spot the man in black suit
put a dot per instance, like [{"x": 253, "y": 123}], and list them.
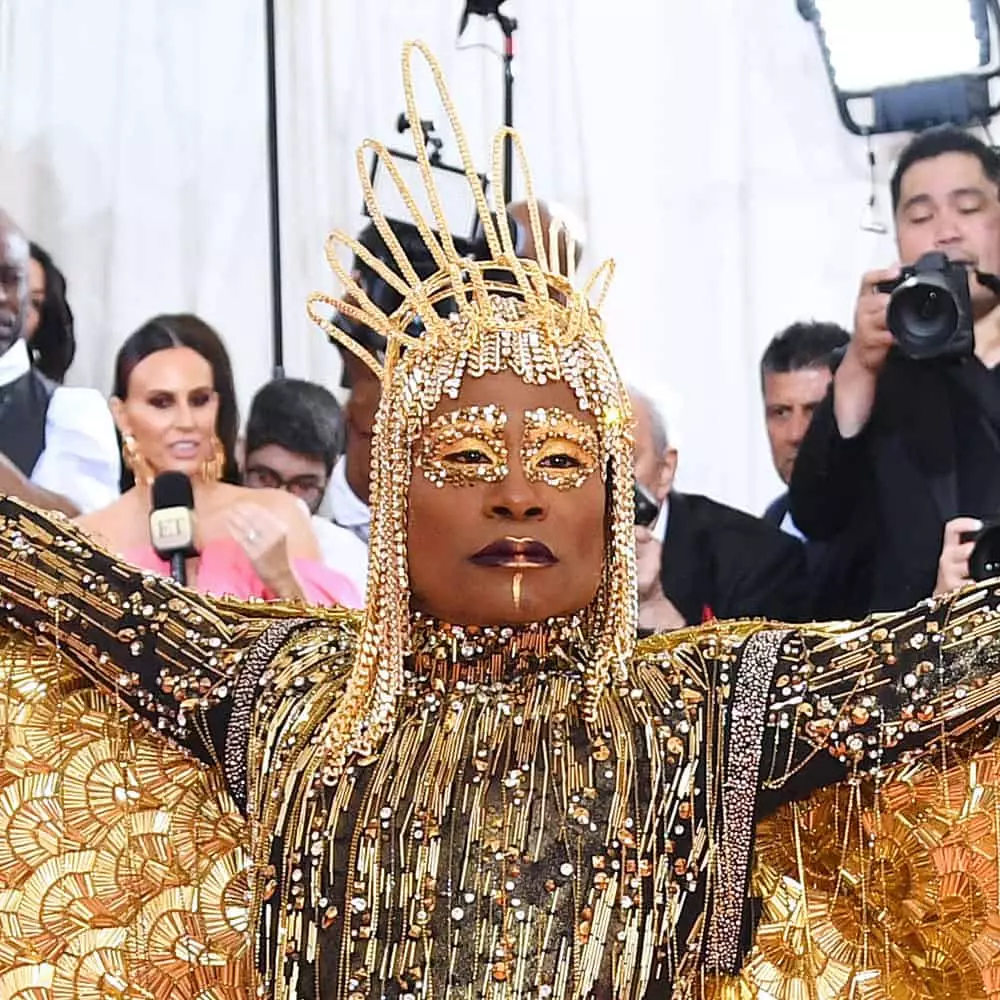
[
  {"x": 920, "y": 438},
  {"x": 796, "y": 370},
  {"x": 702, "y": 559}
]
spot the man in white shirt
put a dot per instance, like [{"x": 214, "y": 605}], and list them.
[
  {"x": 293, "y": 437},
  {"x": 58, "y": 448},
  {"x": 345, "y": 507},
  {"x": 346, "y": 500}
]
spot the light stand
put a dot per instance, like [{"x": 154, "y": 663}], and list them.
[
  {"x": 508, "y": 25},
  {"x": 274, "y": 208}
]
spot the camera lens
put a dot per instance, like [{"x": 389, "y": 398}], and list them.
[
  {"x": 984, "y": 563},
  {"x": 925, "y": 315},
  {"x": 930, "y": 308},
  {"x": 930, "y": 312}
]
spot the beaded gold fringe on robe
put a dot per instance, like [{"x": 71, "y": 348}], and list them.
[
  {"x": 123, "y": 863},
  {"x": 125, "y": 875},
  {"x": 882, "y": 889}
]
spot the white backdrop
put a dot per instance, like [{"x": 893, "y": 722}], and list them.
[{"x": 699, "y": 142}]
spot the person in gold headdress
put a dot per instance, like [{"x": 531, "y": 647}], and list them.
[{"x": 480, "y": 787}]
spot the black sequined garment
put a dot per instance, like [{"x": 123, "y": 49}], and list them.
[{"x": 495, "y": 844}]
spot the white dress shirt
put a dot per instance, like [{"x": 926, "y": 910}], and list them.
[
  {"x": 659, "y": 526},
  {"x": 344, "y": 506},
  {"x": 789, "y": 527},
  {"x": 80, "y": 460},
  {"x": 342, "y": 551}
]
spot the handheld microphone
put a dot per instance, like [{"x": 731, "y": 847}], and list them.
[{"x": 171, "y": 522}]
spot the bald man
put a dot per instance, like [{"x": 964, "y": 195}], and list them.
[
  {"x": 701, "y": 559},
  {"x": 568, "y": 230},
  {"x": 58, "y": 448}
]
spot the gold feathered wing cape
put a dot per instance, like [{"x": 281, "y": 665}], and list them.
[{"x": 166, "y": 830}]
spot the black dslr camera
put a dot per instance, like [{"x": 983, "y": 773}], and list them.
[{"x": 930, "y": 311}]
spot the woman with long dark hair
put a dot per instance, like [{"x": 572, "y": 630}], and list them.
[
  {"x": 185, "y": 330},
  {"x": 49, "y": 323},
  {"x": 174, "y": 404}
]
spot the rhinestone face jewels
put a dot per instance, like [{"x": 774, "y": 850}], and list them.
[
  {"x": 503, "y": 313},
  {"x": 463, "y": 447},
  {"x": 468, "y": 446},
  {"x": 559, "y": 449}
]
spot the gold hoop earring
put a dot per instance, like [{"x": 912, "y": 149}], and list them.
[
  {"x": 135, "y": 461},
  {"x": 213, "y": 468}
]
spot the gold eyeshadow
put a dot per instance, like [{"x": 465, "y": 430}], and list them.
[
  {"x": 464, "y": 447},
  {"x": 558, "y": 449}
]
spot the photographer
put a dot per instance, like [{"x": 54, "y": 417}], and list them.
[{"x": 917, "y": 430}]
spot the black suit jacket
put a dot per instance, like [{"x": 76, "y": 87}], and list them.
[
  {"x": 838, "y": 572},
  {"x": 900, "y": 472},
  {"x": 720, "y": 559}
]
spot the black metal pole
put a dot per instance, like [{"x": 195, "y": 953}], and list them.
[
  {"x": 508, "y": 25},
  {"x": 277, "y": 339}
]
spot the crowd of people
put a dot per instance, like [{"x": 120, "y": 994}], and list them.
[
  {"x": 301, "y": 534},
  {"x": 887, "y": 462},
  {"x": 173, "y": 408},
  {"x": 890, "y": 462},
  {"x": 485, "y": 783}
]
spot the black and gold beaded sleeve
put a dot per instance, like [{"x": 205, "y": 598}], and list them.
[
  {"x": 859, "y": 697},
  {"x": 801, "y": 708},
  {"x": 187, "y": 663}
]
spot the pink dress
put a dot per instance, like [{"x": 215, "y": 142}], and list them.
[{"x": 225, "y": 570}]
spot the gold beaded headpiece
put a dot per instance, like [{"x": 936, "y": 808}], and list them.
[{"x": 507, "y": 315}]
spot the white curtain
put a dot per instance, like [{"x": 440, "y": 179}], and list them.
[{"x": 699, "y": 143}]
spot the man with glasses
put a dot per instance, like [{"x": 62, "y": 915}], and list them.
[{"x": 294, "y": 436}]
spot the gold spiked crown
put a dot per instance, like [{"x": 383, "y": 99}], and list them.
[
  {"x": 477, "y": 316},
  {"x": 547, "y": 298}
]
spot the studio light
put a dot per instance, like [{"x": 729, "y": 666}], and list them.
[{"x": 902, "y": 65}]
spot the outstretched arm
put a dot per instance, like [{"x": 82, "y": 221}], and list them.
[
  {"x": 804, "y": 706},
  {"x": 860, "y": 697},
  {"x": 776, "y": 712},
  {"x": 176, "y": 657}
]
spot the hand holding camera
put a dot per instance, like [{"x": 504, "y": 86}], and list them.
[
  {"x": 656, "y": 611},
  {"x": 970, "y": 552},
  {"x": 857, "y": 376},
  {"x": 647, "y": 549},
  {"x": 925, "y": 311},
  {"x": 869, "y": 347},
  {"x": 930, "y": 309},
  {"x": 957, "y": 547}
]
